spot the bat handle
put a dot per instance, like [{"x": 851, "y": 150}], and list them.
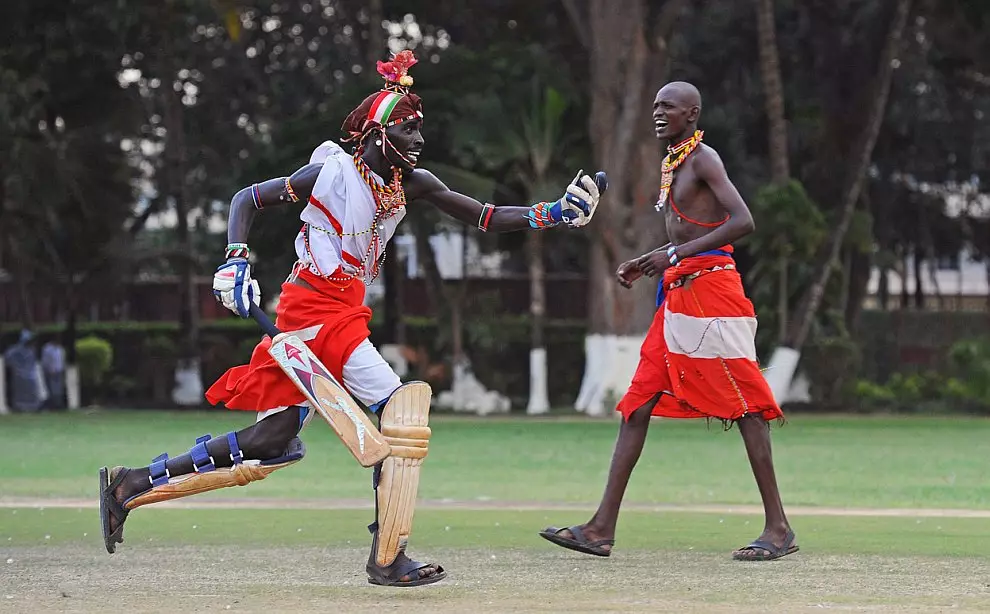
[
  {"x": 264, "y": 321},
  {"x": 601, "y": 180}
]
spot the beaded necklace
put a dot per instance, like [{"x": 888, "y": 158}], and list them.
[
  {"x": 389, "y": 200},
  {"x": 676, "y": 155}
]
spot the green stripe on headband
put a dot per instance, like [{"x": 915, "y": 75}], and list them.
[{"x": 384, "y": 107}]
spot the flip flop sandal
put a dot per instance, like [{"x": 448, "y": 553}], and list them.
[
  {"x": 109, "y": 506},
  {"x": 391, "y": 575},
  {"x": 770, "y": 551},
  {"x": 579, "y": 542}
]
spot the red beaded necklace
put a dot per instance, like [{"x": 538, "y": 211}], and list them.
[{"x": 676, "y": 155}]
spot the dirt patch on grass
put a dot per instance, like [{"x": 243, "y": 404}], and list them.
[{"x": 170, "y": 579}]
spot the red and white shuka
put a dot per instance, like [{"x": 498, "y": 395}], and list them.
[{"x": 700, "y": 352}]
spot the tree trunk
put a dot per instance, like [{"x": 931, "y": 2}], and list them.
[
  {"x": 24, "y": 294},
  {"x": 431, "y": 272},
  {"x": 855, "y": 178},
  {"x": 539, "y": 402},
  {"x": 988, "y": 284},
  {"x": 457, "y": 306},
  {"x": 627, "y": 48},
  {"x": 773, "y": 92},
  {"x": 782, "y": 293},
  {"x": 919, "y": 291},
  {"x": 466, "y": 392},
  {"x": 392, "y": 272},
  {"x": 905, "y": 295},
  {"x": 73, "y": 393},
  {"x": 859, "y": 281},
  {"x": 377, "y": 48},
  {"x": 188, "y": 380},
  {"x": 846, "y": 280},
  {"x": 883, "y": 287}
]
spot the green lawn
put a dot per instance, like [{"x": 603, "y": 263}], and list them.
[
  {"x": 302, "y": 559},
  {"x": 495, "y": 529},
  {"x": 831, "y": 461}
]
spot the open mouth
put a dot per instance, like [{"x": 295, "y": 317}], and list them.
[
  {"x": 413, "y": 155},
  {"x": 661, "y": 124}
]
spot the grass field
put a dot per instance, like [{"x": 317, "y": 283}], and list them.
[{"x": 296, "y": 542}]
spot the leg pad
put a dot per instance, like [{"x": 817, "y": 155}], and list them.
[
  {"x": 241, "y": 474},
  {"x": 404, "y": 426}
]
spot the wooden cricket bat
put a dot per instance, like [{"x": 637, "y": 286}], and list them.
[{"x": 325, "y": 394}]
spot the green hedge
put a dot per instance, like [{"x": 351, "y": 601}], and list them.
[{"x": 144, "y": 355}]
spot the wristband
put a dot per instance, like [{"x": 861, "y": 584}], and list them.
[
  {"x": 539, "y": 216},
  {"x": 485, "y": 218},
  {"x": 237, "y": 250},
  {"x": 672, "y": 255},
  {"x": 256, "y": 196}
]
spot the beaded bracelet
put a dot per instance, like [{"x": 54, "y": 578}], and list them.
[
  {"x": 672, "y": 255},
  {"x": 237, "y": 250},
  {"x": 539, "y": 216},
  {"x": 485, "y": 218},
  {"x": 289, "y": 192},
  {"x": 256, "y": 196}
]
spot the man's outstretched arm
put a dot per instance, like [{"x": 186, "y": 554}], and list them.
[{"x": 575, "y": 208}]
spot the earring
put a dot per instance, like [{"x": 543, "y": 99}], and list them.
[{"x": 378, "y": 142}]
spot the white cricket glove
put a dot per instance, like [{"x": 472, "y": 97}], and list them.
[
  {"x": 580, "y": 201},
  {"x": 234, "y": 288}
]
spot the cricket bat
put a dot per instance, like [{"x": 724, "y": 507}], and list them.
[{"x": 325, "y": 394}]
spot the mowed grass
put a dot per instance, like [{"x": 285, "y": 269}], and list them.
[
  {"x": 821, "y": 461},
  {"x": 440, "y": 529},
  {"x": 299, "y": 559}
]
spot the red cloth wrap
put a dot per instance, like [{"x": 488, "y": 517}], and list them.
[
  {"x": 261, "y": 384},
  {"x": 693, "y": 387}
]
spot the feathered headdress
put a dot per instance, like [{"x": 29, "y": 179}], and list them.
[{"x": 396, "y": 72}]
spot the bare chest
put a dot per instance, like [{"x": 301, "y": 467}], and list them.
[{"x": 690, "y": 209}]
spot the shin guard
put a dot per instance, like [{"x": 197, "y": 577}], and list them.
[
  {"x": 404, "y": 425},
  {"x": 209, "y": 477}
]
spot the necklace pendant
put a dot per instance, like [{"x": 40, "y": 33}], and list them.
[{"x": 663, "y": 198}]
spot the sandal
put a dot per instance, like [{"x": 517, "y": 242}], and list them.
[
  {"x": 579, "y": 542},
  {"x": 761, "y": 550}
]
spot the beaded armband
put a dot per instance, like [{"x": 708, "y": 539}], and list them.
[
  {"x": 487, "y": 211},
  {"x": 237, "y": 250},
  {"x": 539, "y": 216},
  {"x": 256, "y": 196},
  {"x": 288, "y": 194}
]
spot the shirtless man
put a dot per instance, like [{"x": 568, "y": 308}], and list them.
[{"x": 699, "y": 356}]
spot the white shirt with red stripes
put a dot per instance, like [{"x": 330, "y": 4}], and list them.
[{"x": 339, "y": 218}]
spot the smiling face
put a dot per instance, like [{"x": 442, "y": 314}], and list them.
[
  {"x": 406, "y": 140},
  {"x": 675, "y": 111}
]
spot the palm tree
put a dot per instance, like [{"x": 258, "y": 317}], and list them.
[
  {"x": 538, "y": 144},
  {"x": 773, "y": 92}
]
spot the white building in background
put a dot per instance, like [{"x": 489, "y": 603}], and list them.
[
  {"x": 458, "y": 256},
  {"x": 958, "y": 283}
]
